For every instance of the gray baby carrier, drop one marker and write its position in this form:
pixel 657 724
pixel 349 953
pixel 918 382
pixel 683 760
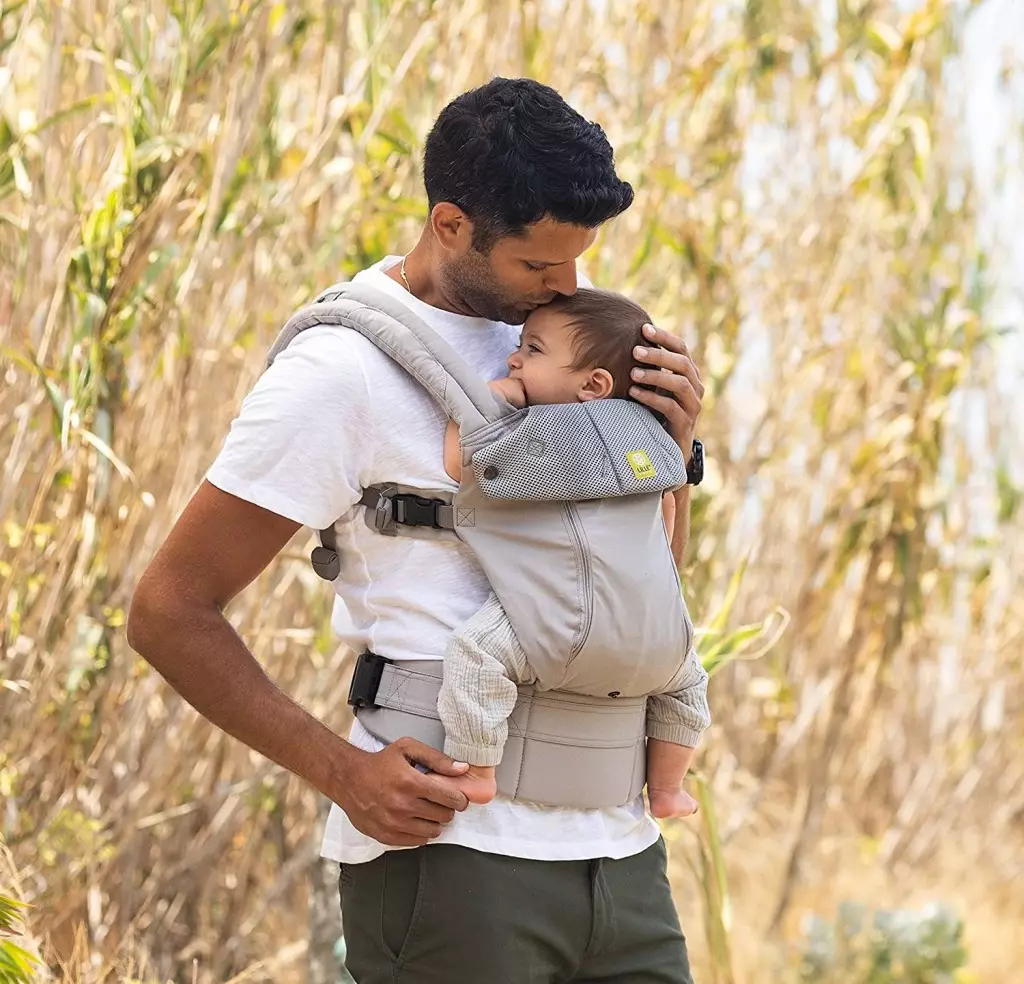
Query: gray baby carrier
pixel 561 506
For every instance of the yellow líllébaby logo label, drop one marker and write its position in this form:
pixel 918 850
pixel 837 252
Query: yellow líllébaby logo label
pixel 640 464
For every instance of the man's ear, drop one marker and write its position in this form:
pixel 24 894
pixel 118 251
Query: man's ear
pixel 598 385
pixel 451 227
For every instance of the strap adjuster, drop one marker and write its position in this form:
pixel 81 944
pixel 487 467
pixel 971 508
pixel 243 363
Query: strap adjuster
pixel 366 677
pixel 415 510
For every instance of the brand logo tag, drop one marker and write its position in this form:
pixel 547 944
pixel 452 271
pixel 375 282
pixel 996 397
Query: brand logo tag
pixel 640 464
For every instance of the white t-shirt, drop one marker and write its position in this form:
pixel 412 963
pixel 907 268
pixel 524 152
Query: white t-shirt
pixel 332 416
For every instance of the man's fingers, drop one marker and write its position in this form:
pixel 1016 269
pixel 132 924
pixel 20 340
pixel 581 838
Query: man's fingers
pixel 427 810
pixel 436 790
pixel 683 398
pixel 433 788
pixel 404 826
pixel 394 837
pixel 680 421
pixel 417 829
pixel 416 752
pixel 676 363
pixel 675 382
pixel 666 340
pixel 664 404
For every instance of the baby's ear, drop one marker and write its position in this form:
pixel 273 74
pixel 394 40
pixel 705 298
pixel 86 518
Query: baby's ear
pixel 597 386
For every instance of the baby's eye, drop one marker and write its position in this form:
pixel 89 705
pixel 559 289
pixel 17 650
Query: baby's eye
pixel 532 348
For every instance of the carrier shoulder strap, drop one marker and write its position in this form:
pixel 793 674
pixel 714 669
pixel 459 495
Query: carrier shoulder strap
pixel 409 341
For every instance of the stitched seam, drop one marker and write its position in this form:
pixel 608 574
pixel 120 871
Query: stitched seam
pixel 607 451
pixel 393 351
pixel 585 600
pixel 397 960
pixel 577 640
pixel 403 955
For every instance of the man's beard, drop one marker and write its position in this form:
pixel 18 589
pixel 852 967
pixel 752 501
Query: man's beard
pixel 475 286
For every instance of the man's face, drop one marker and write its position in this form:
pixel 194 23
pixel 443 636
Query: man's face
pixel 520 273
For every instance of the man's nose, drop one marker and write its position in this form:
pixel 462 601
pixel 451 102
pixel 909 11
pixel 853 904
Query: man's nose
pixel 562 279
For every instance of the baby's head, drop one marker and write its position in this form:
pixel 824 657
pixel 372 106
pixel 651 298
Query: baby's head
pixel 579 348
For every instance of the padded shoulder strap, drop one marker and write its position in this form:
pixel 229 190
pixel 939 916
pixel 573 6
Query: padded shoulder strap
pixel 407 339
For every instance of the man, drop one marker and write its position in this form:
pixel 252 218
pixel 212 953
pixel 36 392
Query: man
pixel 517 184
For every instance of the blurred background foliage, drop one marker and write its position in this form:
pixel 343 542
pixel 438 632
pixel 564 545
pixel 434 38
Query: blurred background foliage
pixel 177 175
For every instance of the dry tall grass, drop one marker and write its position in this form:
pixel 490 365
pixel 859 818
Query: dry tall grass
pixel 177 175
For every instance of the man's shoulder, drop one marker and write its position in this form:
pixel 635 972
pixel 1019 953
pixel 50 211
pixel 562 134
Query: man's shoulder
pixel 327 350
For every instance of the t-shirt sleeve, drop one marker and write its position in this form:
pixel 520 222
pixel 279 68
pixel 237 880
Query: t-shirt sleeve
pixel 303 442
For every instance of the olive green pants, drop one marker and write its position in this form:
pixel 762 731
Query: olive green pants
pixel 443 914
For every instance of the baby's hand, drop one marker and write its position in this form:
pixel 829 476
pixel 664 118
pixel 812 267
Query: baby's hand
pixel 511 390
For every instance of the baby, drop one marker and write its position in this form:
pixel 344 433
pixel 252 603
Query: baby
pixel 574 349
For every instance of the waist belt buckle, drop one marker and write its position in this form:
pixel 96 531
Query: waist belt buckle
pixel 366 677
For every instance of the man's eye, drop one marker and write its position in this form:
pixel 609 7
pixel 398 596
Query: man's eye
pixel 534 266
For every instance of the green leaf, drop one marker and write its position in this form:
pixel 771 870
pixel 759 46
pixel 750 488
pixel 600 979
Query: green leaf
pixel 729 646
pixel 721 618
pixel 10 913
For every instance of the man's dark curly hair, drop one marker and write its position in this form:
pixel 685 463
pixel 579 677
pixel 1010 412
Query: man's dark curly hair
pixel 513 151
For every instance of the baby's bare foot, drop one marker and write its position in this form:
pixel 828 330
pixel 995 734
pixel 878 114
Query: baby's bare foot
pixel 477 783
pixel 671 803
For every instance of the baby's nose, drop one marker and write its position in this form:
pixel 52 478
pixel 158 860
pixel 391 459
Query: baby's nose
pixel 513 361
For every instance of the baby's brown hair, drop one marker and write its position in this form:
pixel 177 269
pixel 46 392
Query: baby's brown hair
pixel 605 328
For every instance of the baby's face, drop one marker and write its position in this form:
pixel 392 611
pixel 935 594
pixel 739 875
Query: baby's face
pixel 543 362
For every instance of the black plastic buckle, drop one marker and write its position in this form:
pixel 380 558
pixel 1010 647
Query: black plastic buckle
pixel 415 510
pixel 366 676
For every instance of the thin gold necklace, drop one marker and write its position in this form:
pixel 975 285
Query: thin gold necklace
pixel 405 279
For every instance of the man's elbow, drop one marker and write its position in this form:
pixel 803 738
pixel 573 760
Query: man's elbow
pixel 148 609
pixel 135 627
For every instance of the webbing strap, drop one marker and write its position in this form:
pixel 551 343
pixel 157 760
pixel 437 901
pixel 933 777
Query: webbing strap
pixel 407 509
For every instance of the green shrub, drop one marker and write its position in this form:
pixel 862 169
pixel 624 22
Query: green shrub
pixel 896 946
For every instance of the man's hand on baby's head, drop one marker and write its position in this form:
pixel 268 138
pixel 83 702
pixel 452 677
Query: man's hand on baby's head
pixel 673 387
pixel 511 390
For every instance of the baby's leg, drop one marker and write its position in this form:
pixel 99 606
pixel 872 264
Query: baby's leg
pixel 483 663
pixel 666 769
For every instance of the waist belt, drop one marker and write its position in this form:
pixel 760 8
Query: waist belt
pixel 563 749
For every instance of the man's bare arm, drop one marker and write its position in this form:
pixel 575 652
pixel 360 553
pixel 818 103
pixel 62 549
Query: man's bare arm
pixel 681 531
pixel 675 390
pixel 219 545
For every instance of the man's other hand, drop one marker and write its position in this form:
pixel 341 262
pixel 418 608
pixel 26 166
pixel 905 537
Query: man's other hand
pixel 389 799
pixel 676 376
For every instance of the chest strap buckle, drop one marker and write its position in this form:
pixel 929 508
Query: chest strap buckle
pixel 391 509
